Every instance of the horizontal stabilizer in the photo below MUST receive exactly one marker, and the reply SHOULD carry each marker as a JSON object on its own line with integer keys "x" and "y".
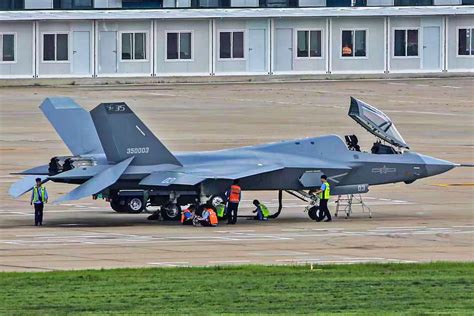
{"x": 168, "y": 178}
{"x": 73, "y": 124}
{"x": 24, "y": 185}
{"x": 98, "y": 183}
{"x": 124, "y": 135}
{"x": 40, "y": 170}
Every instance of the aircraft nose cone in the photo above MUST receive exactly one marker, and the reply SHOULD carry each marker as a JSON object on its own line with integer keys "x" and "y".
{"x": 436, "y": 166}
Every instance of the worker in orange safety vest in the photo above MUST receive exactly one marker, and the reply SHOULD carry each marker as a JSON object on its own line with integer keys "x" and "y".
{"x": 233, "y": 199}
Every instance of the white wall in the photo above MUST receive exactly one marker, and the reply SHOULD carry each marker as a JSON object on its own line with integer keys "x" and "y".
{"x": 374, "y": 62}
{"x": 379, "y": 3}
{"x": 312, "y": 3}
{"x": 455, "y": 62}
{"x": 199, "y": 64}
{"x": 38, "y": 4}
{"x": 131, "y": 67}
{"x": 244, "y": 3}
{"x": 316, "y": 65}
{"x": 54, "y": 68}
{"x": 23, "y": 64}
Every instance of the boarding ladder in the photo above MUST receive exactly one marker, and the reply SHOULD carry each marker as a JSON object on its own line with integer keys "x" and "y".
{"x": 344, "y": 203}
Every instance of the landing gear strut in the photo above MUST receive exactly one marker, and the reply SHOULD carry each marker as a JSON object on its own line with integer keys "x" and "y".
{"x": 280, "y": 205}
{"x": 313, "y": 208}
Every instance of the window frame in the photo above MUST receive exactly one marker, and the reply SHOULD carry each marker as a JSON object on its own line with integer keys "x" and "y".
{"x": 15, "y": 46}
{"x": 147, "y": 47}
{"x": 179, "y": 45}
{"x": 55, "y": 61}
{"x": 406, "y": 29}
{"x": 353, "y": 44}
{"x": 244, "y": 48}
{"x": 295, "y": 44}
{"x": 470, "y": 41}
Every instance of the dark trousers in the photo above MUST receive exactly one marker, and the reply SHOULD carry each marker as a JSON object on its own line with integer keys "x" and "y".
{"x": 323, "y": 207}
{"x": 232, "y": 209}
{"x": 38, "y": 213}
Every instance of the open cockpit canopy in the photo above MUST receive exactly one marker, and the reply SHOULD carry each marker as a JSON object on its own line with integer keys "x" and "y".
{"x": 376, "y": 122}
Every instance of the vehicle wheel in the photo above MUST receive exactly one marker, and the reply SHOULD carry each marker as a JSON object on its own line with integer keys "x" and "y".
{"x": 118, "y": 205}
{"x": 315, "y": 214}
{"x": 217, "y": 199}
{"x": 171, "y": 212}
{"x": 135, "y": 205}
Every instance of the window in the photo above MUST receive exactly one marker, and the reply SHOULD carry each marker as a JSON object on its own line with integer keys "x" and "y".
{"x": 55, "y": 47}
{"x": 7, "y": 47}
{"x": 72, "y": 4}
{"x": 354, "y": 43}
{"x": 412, "y": 2}
{"x": 466, "y": 41}
{"x": 309, "y": 44}
{"x": 133, "y": 46}
{"x": 178, "y": 46}
{"x": 406, "y": 43}
{"x": 467, "y": 2}
{"x": 12, "y": 4}
{"x": 231, "y": 45}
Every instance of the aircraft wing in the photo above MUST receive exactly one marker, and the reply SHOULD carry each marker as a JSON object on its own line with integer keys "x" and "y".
{"x": 188, "y": 176}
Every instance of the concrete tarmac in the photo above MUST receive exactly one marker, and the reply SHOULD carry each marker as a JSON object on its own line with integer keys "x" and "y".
{"x": 431, "y": 219}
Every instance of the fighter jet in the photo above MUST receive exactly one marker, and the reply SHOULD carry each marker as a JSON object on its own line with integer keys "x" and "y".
{"x": 115, "y": 156}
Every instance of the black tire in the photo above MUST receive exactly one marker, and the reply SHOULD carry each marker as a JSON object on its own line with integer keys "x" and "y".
{"x": 217, "y": 199}
{"x": 135, "y": 205}
{"x": 315, "y": 214}
{"x": 119, "y": 205}
{"x": 171, "y": 212}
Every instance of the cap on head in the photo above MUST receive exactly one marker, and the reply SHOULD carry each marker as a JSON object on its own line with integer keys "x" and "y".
{"x": 38, "y": 180}
{"x": 236, "y": 181}
{"x": 256, "y": 202}
{"x": 324, "y": 177}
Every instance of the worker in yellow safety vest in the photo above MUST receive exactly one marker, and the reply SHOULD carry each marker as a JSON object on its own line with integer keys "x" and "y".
{"x": 324, "y": 195}
{"x": 261, "y": 210}
{"x": 39, "y": 197}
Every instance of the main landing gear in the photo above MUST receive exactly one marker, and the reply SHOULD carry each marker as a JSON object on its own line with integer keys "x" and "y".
{"x": 313, "y": 208}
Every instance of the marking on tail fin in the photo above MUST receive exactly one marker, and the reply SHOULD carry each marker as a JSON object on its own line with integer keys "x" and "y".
{"x": 140, "y": 130}
{"x": 117, "y": 128}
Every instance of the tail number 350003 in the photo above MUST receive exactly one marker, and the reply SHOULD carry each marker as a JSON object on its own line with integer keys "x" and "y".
{"x": 138, "y": 150}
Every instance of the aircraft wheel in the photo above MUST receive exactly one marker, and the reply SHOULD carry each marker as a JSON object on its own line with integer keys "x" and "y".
{"x": 315, "y": 214}
{"x": 171, "y": 212}
{"x": 118, "y": 205}
{"x": 135, "y": 205}
{"x": 217, "y": 199}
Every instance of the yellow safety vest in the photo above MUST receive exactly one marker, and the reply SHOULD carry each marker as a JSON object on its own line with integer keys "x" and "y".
{"x": 36, "y": 196}
{"x": 326, "y": 194}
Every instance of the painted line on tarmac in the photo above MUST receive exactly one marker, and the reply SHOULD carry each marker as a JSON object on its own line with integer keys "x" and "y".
{"x": 229, "y": 261}
{"x": 170, "y": 264}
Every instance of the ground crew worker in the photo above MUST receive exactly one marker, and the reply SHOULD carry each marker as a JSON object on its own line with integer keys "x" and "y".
{"x": 188, "y": 214}
{"x": 220, "y": 211}
{"x": 324, "y": 195}
{"x": 39, "y": 197}
{"x": 233, "y": 199}
{"x": 261, "y": 210}
{"x": 208, "y": 217}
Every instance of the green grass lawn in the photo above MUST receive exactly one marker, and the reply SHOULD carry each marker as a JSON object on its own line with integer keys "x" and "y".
{"x": 360, "y": 289}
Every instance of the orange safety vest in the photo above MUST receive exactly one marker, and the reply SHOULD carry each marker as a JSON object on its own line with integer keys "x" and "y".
{"x": 183, "y": 215}
{"x": 234, "y": 195}
{"x": 212, "y": 217}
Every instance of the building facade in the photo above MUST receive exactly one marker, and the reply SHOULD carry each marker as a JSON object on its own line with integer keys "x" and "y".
{"x": 89, "y": 43}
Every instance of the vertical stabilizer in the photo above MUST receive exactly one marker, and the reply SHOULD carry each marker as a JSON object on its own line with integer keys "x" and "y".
{"x": 124, "y": 135}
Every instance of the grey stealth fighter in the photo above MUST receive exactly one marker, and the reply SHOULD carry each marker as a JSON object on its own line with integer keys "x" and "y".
{"x": 116, "y": 157}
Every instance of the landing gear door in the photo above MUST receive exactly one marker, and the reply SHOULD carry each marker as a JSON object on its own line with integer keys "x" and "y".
{"x": 376, "y": 122}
